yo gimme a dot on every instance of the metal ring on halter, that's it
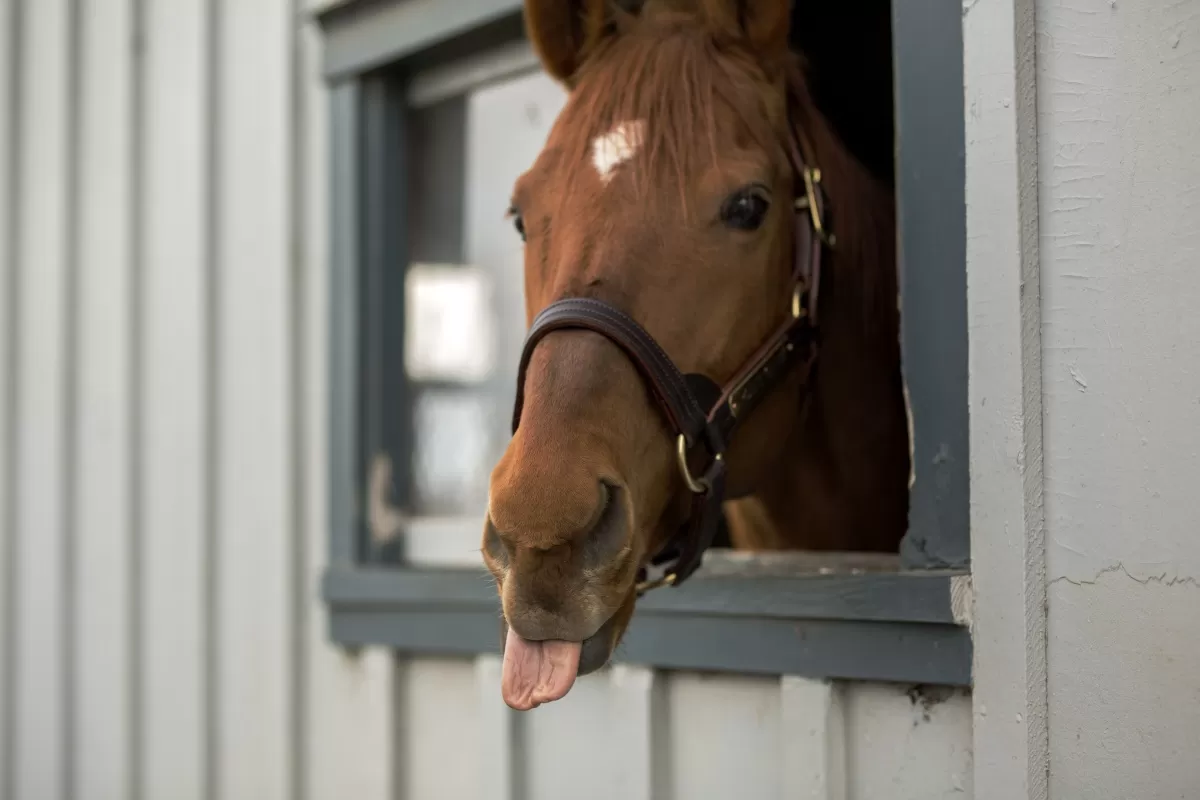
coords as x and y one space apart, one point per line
812 177
665 580
798 310
696 486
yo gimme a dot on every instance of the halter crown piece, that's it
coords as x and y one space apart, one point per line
701 413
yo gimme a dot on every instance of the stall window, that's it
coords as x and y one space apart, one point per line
434 115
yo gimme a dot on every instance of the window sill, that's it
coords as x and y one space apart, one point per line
848 617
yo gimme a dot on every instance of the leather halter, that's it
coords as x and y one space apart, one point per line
702 414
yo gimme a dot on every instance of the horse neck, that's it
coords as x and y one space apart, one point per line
842 481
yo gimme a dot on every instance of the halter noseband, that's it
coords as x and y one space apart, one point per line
701 413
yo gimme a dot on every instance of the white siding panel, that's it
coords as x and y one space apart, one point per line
103 654
500 778
350 723
351 726
350 751
908 745
253 267
724 736
682 735
9 52
175 513
41 733
813 739
562 740
445 735
639 726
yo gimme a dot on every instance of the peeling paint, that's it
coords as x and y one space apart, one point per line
1078 378
962 601
912 440
927 698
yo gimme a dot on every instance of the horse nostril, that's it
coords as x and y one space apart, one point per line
610 534
492 544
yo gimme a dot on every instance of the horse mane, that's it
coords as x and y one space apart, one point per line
681 80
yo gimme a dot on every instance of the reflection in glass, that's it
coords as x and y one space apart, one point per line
453 453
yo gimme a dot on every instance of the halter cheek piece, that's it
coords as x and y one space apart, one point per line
701 413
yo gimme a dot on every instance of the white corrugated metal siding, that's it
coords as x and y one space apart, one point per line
162 491
162 224
635 733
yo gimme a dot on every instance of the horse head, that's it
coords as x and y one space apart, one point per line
666 200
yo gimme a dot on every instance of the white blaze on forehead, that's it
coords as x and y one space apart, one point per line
616 147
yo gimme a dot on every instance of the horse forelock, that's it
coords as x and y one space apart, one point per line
668 80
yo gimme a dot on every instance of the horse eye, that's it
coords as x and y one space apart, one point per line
747 209
518 221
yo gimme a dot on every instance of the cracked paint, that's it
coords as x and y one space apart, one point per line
1162 578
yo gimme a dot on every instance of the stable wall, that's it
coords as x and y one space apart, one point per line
162 412
163 503
1118 116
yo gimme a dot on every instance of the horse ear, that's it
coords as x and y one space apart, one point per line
563 32
763 24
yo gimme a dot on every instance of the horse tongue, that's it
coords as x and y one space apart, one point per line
537 672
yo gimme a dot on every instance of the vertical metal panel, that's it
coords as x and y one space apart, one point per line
10 55
562 741
103 655
927 37
138 396
252 115
684 735
41 370
347 751
812 733
176 518
501 772
905 744
444 714
638 698
724 736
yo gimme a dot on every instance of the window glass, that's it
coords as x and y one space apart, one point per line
465 313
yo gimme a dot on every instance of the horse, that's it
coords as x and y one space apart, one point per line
711 290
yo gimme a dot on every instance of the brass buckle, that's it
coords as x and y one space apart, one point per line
812 177
699 486
665 580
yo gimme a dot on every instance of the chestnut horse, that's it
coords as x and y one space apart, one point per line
667 190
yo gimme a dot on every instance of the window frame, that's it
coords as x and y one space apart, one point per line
903 618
